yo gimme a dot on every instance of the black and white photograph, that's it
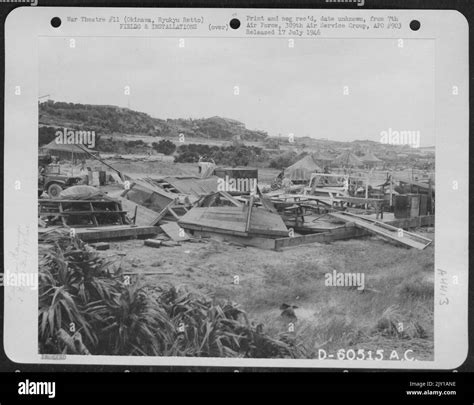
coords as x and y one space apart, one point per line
240 191
237 198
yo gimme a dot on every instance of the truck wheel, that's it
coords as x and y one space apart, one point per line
54 190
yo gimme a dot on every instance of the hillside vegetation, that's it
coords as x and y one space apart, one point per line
106 119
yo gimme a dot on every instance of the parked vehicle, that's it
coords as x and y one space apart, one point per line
52 181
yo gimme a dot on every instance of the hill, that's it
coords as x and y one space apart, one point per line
107 119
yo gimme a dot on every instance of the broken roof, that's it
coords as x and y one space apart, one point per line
234 221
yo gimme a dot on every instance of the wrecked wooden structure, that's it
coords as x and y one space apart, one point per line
97 219
330 207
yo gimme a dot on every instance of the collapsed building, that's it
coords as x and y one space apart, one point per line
317 207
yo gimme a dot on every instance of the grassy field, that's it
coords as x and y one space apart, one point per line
394 312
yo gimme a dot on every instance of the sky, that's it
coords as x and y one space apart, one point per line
282 90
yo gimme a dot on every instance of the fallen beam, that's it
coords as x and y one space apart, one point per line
346 232
156 243
174 231
349 231
254 241
143 216
100 245
387 231
115 232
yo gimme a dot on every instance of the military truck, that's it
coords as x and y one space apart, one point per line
50 178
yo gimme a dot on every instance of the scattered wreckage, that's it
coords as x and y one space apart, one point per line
325 208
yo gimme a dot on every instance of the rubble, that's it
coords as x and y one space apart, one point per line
313 207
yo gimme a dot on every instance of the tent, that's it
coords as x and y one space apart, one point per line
322 159
68 151
369 159
348 159
302 169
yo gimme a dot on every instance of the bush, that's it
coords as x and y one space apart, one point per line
236 155
46 135
136 144
85 308
282 161
272 143
164 146
107 145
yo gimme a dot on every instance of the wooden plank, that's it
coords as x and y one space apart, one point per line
156 243
347 232
382 229
70 213
100 245
115 232
135 215
253 241
360 200
102 200
164 211
405 223
202 228
229 198
249 214
172 212
144 217
424 186
170 243
174 231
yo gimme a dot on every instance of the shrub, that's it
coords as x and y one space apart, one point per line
235 155
46 135
135 144
282 161
164 146
80 294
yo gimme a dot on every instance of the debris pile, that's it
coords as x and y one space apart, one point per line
309 206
